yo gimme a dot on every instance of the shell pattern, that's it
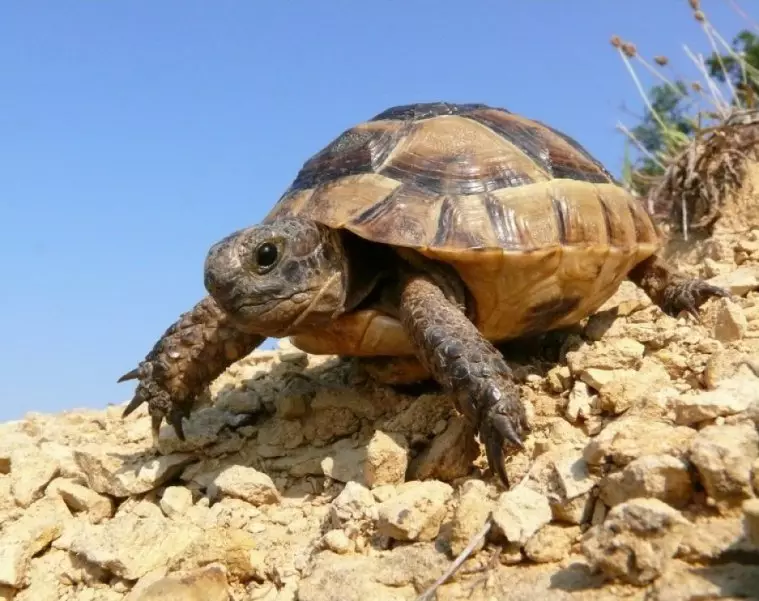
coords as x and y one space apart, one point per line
538 229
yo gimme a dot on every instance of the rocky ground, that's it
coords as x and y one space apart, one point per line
302 480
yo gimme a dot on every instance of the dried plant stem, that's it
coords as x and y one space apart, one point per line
641 91
623 128
736 7
660 76
738 59
719 100
708 29
458 562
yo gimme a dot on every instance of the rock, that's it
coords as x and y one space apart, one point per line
629 388
520 513
55 575
730 397
208 583
660 477
80 498
345 463
723 456
31 471
552 543
110 471
726 320
13 441
471 513
571 475
416 513
559 378
333 414
21 540
227 513
241 400
354 504
598 378
709 537
726 582
739 281
618 353
337 541
560 474
580 403
235 549
352 578
631 437
386 459
636 541
131 546
574 511
626 300
248 484
722 364
175 501
201 429
343 525
450 455
751 520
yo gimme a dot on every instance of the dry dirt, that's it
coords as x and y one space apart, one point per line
302 480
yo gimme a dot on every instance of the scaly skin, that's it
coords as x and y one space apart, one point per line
192 352
454 351
671 290
247 303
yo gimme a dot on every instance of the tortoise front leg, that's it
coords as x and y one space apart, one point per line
671 290
456 354
192 352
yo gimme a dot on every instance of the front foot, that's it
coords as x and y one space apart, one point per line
195 350
501 422
688 295
453 350
153 390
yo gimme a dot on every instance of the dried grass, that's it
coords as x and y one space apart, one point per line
703 171
691 195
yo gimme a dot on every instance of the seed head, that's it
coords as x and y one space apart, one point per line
694 4
699 16
696 86
661 60
629 49
615 41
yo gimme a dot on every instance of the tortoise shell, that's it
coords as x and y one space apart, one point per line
539 231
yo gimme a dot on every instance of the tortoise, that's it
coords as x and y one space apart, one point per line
424 236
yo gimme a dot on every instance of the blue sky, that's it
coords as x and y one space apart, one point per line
133 135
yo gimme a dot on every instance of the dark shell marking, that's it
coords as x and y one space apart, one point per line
462 176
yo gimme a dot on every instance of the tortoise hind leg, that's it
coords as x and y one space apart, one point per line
671 290
455 353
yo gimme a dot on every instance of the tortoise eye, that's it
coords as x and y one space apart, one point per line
266 256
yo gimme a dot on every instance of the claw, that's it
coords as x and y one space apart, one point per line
494 453
155 425
505 428
689 295
130 375
136 401
175 419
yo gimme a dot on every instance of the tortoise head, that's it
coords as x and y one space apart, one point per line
276 278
